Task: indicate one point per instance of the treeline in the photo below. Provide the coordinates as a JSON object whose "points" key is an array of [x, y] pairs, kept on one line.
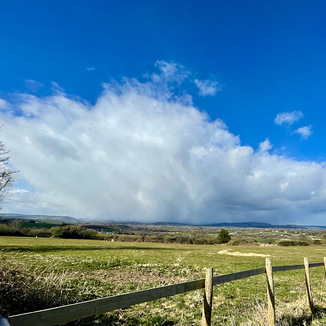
{"points": [[72, 231], [165, 238], [124, 233], [15, 228], [69, 231], [289, 243]]}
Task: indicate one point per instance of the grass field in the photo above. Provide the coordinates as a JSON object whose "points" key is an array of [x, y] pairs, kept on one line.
{"points": [[76, 270]]}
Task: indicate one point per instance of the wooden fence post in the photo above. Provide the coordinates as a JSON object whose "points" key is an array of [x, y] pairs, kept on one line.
{"points": [[208, 298], [308, 284], [270, 292], [325, 266]]}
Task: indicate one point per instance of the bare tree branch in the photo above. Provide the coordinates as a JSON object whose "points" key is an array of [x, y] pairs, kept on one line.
{"points": [[6, 174]]}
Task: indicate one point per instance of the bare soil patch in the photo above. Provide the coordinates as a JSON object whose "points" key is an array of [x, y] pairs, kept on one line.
{"points": [[237, 253]]}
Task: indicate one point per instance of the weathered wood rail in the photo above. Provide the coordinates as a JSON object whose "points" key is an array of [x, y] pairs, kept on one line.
{"points": [[71, 312]]}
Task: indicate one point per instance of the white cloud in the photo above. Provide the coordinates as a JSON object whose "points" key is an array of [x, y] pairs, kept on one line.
{"points": [[305, 132], [140, 154], [265, 145], [90, 68], [207, 87], [288, 118]]}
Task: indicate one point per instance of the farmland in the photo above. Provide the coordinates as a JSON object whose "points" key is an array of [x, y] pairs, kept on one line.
{"points": [[62, 271], [163, 233]]}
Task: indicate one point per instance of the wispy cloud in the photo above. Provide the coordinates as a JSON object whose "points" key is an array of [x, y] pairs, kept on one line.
{"points": [[33, 85], [288, 118], [3, 104], [56, 88], [207, 87], [170, 72], [137, 154], [164, 84], [90, 68], [305, 132]]}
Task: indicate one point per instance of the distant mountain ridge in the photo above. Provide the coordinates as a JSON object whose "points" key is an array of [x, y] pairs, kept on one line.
{"points": [[250, 225], [257, 225], [70, 219]]}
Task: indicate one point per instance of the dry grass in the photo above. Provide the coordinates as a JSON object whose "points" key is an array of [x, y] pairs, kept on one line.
{"points": [[48, 272], [22, 291], [294, 313]]}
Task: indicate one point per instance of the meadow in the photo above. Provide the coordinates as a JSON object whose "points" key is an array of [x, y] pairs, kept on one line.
{"points": [[43, 272]]}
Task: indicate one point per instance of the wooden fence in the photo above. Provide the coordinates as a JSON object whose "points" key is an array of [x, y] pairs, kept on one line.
{"points": [[71, 312]]}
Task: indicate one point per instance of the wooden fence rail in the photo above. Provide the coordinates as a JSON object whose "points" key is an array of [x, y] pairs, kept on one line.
{"points": [[71, 312]]}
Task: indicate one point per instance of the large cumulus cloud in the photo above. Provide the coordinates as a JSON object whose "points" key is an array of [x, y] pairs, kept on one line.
{"points": [[144, 153]]}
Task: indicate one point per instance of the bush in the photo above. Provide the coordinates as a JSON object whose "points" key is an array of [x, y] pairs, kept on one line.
{"points": [[41, 232], [10, 230], [72, 232], [287, 243], [235, 242], [223, 236], [303, 243]]}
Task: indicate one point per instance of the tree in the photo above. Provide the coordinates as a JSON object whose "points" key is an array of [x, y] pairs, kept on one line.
{"points": [[223, 236], [6, 174]]}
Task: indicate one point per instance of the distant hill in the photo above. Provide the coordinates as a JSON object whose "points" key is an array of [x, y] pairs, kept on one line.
{"points": [[67, 219], [244, 224], [225, 224], [264, 225]]}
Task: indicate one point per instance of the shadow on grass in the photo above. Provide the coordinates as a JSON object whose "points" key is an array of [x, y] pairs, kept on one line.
{"points": [[76, 248], [118, 318], [320, 312]]}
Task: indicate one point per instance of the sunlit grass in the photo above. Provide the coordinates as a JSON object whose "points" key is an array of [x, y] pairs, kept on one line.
{"points": [[92, 268]]}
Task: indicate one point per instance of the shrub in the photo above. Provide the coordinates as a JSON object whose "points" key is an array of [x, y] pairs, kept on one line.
{"points": [[211, 241], [235, 242], [303, 243], [287, 243]]}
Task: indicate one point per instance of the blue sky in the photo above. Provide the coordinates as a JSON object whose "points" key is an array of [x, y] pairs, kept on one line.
{"points": [[245, 77]]}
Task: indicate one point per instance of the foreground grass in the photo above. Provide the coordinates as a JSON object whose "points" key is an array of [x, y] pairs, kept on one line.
{"points": [[76, 270]]}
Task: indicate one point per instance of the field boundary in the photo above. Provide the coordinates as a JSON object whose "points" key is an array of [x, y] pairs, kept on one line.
{"points": [[71, 312]]}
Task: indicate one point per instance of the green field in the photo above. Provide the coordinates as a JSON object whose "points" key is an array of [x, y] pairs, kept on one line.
{"points": [[85, 269]]}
